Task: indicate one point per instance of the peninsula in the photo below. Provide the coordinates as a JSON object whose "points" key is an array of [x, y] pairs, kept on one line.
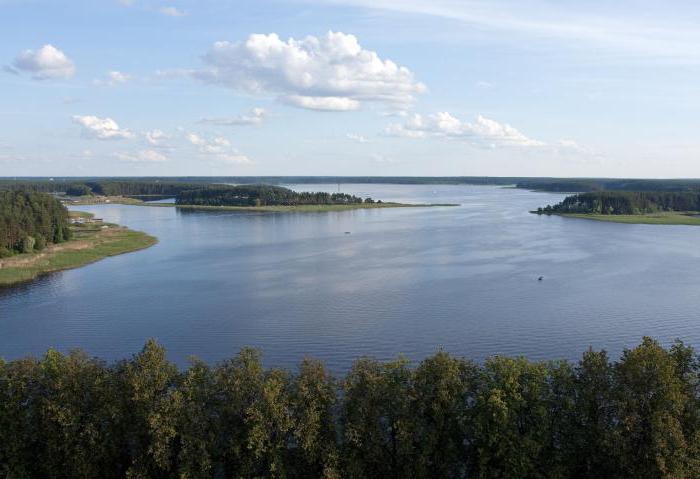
{"points": [[38, 235], [659, 208], [248, 197]]}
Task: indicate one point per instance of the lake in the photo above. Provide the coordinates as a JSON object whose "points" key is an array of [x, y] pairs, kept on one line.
{"points": [[405, 280]]}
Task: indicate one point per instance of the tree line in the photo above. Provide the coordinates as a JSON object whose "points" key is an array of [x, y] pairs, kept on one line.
{"points": [[625, 203], [29, 221], [73, 416], [607, 184], [262, 195], [104, 187]]}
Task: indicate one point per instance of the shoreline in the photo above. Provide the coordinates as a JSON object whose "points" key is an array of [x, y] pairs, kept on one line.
{"points": [[91, 242], [683, 218], [260, 209]]}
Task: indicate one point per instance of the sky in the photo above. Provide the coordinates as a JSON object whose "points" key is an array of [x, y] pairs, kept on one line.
{"points": [[350, 87]]}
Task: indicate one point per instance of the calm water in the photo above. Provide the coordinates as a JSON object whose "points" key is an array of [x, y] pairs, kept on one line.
{"points": [[404, 281]]}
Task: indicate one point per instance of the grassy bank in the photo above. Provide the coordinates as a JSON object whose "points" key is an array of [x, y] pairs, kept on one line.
{"points": [[101, 200], [664, 218], [91, 242], [301, 208], [272, 208]]}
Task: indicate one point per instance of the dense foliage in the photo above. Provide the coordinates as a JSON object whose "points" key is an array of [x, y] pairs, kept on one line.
{"points": [[106, 187], [73, 416], [625, 203], [262, 195], [29, 221], [607, 184]]}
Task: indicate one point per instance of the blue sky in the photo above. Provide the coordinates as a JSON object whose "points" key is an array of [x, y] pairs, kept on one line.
{"points": [[349, 87]]}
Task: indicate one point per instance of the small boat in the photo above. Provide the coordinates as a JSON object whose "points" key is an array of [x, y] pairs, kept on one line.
{"points": [[347, 232], [540, 278]]}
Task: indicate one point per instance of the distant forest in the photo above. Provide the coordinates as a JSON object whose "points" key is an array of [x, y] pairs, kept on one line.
{"points": [[29, 221], [625, 203], [78, 417], [262, 195], [173, 185]]}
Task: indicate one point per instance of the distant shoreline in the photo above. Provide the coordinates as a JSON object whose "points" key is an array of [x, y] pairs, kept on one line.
{"points": [[686, 218], [92, 241], [269, 208]]}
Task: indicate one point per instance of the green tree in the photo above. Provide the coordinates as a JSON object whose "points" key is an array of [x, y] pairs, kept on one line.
{"points": [[652, 401], [377, 421], [148, 383], [511, 424], [313, 402], [592, 439], [444, 389]]}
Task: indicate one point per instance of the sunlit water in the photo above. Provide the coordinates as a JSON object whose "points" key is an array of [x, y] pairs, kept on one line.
{"points": [[412, 281]]}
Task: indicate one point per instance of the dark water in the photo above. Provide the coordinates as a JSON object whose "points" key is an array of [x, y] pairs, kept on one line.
{"points": [[404, 281]]}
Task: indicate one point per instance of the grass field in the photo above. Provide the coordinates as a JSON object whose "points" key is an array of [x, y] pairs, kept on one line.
{"points": [[664, 218], [91, 242]]}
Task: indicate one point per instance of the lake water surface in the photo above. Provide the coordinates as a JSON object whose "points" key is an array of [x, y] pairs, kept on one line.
{"points": [[405, 280]]}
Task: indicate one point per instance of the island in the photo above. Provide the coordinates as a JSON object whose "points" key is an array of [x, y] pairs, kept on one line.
{"points": [[39, 235], [646, 207], [245, 197]]}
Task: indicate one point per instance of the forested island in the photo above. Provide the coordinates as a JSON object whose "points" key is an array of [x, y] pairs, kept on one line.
{"points": [[79, 417], [631, 207], [263, 195], [39, 235]]}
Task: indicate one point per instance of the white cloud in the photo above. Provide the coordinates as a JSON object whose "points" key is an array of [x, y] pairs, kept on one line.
{"points": [[215, 145], [322, 103], [482, 132], [45, 64], [357, 138], [101, 128], [172, 12], [256, 117], [332, 72], [155, 137], [217, 148], [113, 78], [236, 159], [143, 156]]}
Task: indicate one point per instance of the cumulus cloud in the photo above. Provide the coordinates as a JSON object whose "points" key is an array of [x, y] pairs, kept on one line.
{"points": [[256, 117], [357, 138], [217, 148], [143, 156], [101, 128], [47, 63], [113, 78], [155, 137], [331, 72], [172, 12], [322, 103], [216, 145], [482, 132]]}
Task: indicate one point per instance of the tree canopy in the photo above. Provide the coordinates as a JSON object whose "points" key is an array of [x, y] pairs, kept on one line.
{"points": [[28, 220], [261, 195], [625, 203], [69, 415]]}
